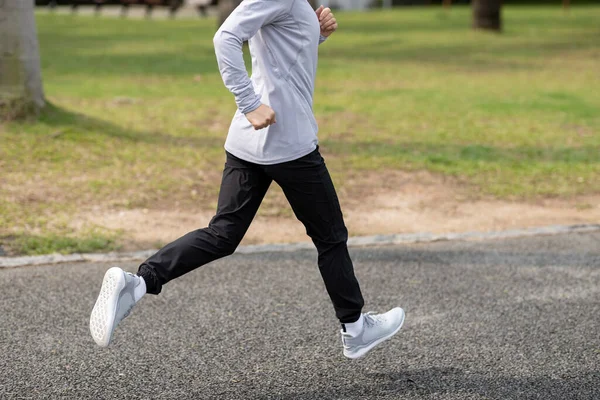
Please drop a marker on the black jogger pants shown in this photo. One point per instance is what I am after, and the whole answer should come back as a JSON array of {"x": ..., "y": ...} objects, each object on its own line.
[{"x": 308, "y": 188}]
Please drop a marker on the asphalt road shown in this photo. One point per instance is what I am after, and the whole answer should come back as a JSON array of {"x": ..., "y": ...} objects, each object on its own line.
[{"x": 510, "y": 319}]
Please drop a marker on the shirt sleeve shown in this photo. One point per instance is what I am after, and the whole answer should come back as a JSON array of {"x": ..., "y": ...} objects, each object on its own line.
[
  {"x": 242, "y": 24},
  {"x": 322, "y": 39}
]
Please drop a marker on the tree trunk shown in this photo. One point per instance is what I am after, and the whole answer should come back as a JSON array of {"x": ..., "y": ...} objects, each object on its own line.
[
  {"x": 487, "y": 14},
  {"x": 226, "y": 7},
  {"x": 21, "y": 91}
]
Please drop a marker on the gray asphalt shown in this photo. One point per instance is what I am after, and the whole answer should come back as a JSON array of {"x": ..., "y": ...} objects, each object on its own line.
[{"x": 504, "y": 319}]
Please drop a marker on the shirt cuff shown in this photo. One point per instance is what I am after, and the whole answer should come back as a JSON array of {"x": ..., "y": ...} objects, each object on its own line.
[{"x": 253, "y": 106}]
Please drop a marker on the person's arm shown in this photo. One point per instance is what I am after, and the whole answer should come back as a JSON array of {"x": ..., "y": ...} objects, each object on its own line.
[
  {"x": 242, "y": 24},
  {"x": 327, "y": 21}
]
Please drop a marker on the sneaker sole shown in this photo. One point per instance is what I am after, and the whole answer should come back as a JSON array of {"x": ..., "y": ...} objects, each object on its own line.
[
  {"x": 102, "y": 319},
  {"x": 365, "y": 350}
]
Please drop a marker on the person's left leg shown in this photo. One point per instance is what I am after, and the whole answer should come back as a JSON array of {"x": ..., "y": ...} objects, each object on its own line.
[
  {"x": 310, "y": 191},
  {"x": 308, "y": 188}
]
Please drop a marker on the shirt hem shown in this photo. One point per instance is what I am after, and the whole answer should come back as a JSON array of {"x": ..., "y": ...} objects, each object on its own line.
[{"x": 250, "y": 158}]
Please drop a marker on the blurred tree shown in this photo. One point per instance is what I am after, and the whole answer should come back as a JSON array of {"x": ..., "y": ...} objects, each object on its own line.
[
  {"x": 226, "y": 7},
  {"x": 21, "y": 91},
  {"x": 487, "y": 14}
]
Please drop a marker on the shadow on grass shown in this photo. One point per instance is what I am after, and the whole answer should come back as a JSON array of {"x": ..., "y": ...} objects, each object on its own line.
[
  {"x": 457, "y": 20},
  {"x": 79, "y": 125},
  {"x": 187, "y": 61},
  {"x": 516, "y": 173},
  {"x": 472, "y": 55},
  {"x": 454, "y": 154},
  {"x": 114, "y": 47}
]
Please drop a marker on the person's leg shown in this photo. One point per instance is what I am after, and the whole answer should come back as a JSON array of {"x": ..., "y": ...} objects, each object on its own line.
[
  {"x": 308, "y": 187},
  {"x": 243, "y": 188}
]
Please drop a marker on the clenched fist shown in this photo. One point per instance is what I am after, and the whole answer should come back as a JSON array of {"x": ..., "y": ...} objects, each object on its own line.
[
  {"x": 326, "y": 20},
  {"x": 262, "y": 117}
]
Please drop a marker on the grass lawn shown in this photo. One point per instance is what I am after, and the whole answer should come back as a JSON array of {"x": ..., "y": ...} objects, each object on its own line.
[{"x": 139, "y": 113}]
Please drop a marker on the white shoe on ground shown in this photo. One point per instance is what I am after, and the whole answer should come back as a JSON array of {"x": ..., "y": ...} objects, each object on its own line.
[
  {"x": 376, "y": 328},
  {"x": 119, "y": 293}
]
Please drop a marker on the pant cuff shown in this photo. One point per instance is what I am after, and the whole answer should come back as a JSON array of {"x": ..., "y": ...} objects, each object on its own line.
[
  {"x": 350, "y": 318},
  {"x": 153, "y": 286}
]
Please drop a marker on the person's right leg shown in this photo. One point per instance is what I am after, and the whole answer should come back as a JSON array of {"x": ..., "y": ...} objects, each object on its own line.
[{"x": 243, "y": 187}]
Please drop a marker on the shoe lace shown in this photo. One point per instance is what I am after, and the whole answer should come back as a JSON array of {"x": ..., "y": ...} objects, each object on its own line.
[{"x": 371, "y": 319}]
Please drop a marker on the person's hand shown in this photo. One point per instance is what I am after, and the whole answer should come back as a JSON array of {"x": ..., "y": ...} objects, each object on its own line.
[
  {"x": 262, "y": 117},
  {"x": 327, "y": 21}
]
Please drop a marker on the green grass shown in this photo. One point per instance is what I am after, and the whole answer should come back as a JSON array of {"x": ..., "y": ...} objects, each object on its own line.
[
  {"x": 83, "y": 242},
  {"x": 139, "y": 113}
]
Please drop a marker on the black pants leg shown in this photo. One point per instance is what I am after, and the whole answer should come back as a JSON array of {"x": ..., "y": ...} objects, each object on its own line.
[
  {"x": 243, "y": 187},
  {"x": 309, "y": 189}
]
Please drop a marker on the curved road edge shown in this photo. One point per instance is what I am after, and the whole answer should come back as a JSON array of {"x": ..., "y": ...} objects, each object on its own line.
[{"x": 358, "y": 241}]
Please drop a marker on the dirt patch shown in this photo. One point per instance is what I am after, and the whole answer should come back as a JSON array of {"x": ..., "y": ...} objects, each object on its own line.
[{"x": 401, "y": 203}]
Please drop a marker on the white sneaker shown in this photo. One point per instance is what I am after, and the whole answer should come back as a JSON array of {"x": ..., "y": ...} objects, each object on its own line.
[
  {"x": 115, "y": 301},
  {"x": 376, "y": 329}
]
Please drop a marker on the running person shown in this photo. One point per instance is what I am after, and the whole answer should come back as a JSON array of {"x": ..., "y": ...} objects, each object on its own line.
[{"x": 272, "y": 137}]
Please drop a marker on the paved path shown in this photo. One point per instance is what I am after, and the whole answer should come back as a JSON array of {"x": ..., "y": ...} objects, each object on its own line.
[{"x": 503, "y": 319}]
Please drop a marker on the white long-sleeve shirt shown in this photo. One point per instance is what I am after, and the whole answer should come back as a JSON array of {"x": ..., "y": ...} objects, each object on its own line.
[{"x": 284, "y": 36}]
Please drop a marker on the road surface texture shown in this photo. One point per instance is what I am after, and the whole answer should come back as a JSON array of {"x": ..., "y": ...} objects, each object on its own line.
[{"x": 503, "y": 319}]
